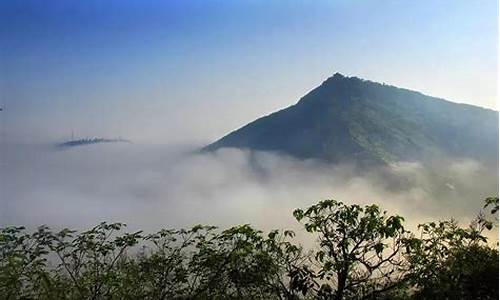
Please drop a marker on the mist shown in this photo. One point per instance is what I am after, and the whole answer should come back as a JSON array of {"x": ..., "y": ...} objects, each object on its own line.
[{"x": 162, "y": 186}]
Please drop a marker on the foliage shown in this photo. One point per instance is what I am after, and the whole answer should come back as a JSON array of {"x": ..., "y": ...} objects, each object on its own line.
[
  {"x": 451, "y": 262},
  {"x": 103, "y": 263},
  {"x": 362, "y": 253},
  {"x": 360, "y": 249},
  {"x": 22, "y": 263},
  {"x": 492, "y": 204}
]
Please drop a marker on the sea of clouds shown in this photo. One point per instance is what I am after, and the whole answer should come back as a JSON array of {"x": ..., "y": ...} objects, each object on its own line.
[{"x": 156, "y": 186}]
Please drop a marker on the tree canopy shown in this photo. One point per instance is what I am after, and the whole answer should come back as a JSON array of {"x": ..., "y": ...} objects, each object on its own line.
[{"x": 360, "y": 253}]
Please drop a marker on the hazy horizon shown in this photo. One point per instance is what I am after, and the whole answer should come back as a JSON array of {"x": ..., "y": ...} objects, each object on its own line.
[{"x": 173, "y": 76}]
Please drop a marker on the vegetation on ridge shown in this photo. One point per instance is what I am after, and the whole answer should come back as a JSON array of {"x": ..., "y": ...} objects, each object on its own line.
[{"x": 90, "y": 141}]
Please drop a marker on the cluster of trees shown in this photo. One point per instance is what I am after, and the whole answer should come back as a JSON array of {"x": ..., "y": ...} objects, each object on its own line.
[
  {"x": 89, "y": 141},
  {"x": 361, "y": 253}
]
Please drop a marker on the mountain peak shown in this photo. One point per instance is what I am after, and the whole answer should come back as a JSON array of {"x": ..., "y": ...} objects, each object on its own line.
[
  {"x": 342, "y": 83},
  {"x": 341, "y": 77},
  {"x": 338, "y": 75},
  {"x": 336, "y": 78}
]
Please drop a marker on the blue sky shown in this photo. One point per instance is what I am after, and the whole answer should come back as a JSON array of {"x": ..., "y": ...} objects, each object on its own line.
[{"x": 190, "y": 71}]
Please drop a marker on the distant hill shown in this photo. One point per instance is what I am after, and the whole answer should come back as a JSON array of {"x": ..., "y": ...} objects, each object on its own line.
[
  {"x": 83, "y": 142},
  {"x": 351, "y": 119}
]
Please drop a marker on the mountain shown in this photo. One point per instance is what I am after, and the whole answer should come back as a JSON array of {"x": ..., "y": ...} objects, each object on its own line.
[{"x": 355, "y": 120}]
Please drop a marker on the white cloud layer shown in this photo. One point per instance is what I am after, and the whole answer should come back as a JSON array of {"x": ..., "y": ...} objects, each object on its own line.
[{"x": 150, "y": 187}]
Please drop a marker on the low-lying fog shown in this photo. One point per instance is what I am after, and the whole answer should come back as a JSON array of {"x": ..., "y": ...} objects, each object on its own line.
[{"x": 151, "y": 187}]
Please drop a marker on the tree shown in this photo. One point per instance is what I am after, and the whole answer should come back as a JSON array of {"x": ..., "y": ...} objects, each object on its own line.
[
  {"x": 88, "y": 262},
  {"x": 451, "y": 262},
  {"x": 360, "y": 249},
  {"x": 23, "y": 272},
  {"x": 161, "y": 270},
  {"x": 242, "y": 263}
]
